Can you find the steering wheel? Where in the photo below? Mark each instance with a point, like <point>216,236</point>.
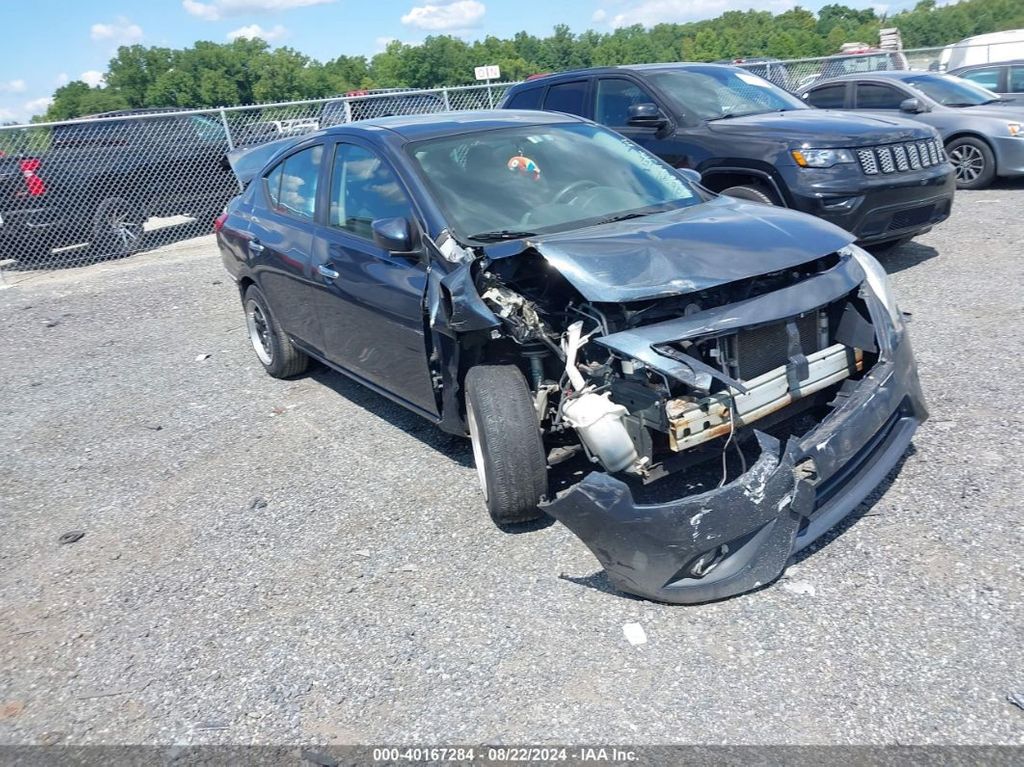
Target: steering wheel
<point>571,193</point>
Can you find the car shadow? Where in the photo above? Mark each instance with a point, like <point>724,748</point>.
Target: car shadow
<point>907,255</point>
<point>459,450</point>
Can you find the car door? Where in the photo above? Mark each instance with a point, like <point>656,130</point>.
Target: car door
<point>280,247</point>
<point>830,96</point>
<point>369,300</point>
<point>1015,81</point>
<point>613,96</point>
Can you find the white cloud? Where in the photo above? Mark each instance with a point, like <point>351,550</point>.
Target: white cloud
<point>219,9</point>
<point>93,79</point>
<point>122,31</point>
<point>8,115</point>
<point>444,17</point>
<point>252,31</point>
<point>37,106</point>
<point>599,15</point>
<point>63,78</point>
<point>651,12</point>
<point>12,86</point>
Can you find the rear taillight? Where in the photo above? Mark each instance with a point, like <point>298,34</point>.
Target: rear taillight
<point>218,223</point>
<point>34,184</point>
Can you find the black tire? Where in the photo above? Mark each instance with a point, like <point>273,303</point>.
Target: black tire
<point>117,227</point>
<point>507,445</point>
<point>973,161</point>
<point>751,193</point>
<point>273,348</point>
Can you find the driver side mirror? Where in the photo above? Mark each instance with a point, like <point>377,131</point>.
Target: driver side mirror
<point>395,235</point>
<point>913,106</point>
<point>646,115</point>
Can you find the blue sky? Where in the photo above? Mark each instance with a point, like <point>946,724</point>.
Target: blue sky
<point>48,42</point>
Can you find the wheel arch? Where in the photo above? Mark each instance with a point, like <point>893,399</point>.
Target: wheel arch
<point>716,178</point>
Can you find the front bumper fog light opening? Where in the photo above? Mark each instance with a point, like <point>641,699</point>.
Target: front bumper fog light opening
<point>708,561</point>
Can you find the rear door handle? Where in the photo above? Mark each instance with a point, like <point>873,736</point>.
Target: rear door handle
<point>255,246</point>
<point>326,271</point>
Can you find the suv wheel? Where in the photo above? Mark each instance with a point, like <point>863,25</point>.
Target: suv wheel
<point>973,161</point>
<point>117,227</point>
<point>507,446</point>
<point>274,349</point>
<point>752,193</point>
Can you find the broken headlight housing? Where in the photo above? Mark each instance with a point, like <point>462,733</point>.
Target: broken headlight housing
<point>878,283</point>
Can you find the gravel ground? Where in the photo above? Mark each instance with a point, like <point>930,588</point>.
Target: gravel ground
<point>303,561</point>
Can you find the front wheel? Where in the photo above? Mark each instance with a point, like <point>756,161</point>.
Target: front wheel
<point>973,161</point>
<point>507,445</point>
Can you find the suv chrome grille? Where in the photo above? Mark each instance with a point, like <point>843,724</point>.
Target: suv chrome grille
<point>900,158</point>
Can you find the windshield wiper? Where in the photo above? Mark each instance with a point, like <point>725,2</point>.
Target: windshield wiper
<point>501,234</point>
<point>623,217</point>
<point>959,104</point>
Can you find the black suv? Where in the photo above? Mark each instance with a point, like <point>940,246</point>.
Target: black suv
<point>104,175</point>
<point>750,139</point>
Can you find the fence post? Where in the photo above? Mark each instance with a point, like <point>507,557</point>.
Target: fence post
<point>348,111</point>
<point>447,101</point>
<point>490,95</point>
<point>227,128</point>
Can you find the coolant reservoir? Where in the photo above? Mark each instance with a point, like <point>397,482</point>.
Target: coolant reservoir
<point>600,424</point>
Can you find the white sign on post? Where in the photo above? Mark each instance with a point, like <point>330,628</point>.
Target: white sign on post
<point>492,72</point>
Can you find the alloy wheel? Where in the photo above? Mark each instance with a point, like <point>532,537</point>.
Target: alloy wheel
<point>968,162</point>
<point>259,332</point>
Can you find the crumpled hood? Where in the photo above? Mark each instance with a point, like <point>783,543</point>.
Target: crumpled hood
<point>684,251</point>
<point>823,128</point>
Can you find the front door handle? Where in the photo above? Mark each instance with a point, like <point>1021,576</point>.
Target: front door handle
<point>326,271</point>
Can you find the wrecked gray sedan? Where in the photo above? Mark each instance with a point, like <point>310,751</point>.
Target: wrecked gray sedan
<point>603,329</point>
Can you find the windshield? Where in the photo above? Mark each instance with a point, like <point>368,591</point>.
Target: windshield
<point>951,91</point>
<point>716,93</point>
<point>514,182</point>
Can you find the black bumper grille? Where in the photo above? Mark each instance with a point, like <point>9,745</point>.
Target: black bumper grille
<point>900,158</point>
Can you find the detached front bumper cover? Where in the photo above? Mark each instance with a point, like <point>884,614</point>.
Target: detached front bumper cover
<point>739,537</point>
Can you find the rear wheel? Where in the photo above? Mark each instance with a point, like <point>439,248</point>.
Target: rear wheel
<point>749,192</point>
<point>973,161</point>
<point>274,349</point>
<point>507,446</point>
<point>117,227</point>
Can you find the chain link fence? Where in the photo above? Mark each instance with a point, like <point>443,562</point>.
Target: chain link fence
<point>77,192</point>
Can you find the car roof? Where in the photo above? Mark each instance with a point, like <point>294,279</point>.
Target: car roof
<point>965,67</point>
<point>540,80</point>
<point>416,127</point>
<point>885,74</point>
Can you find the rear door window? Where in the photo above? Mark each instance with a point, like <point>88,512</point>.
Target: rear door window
<point>827,97</point>
<point>526,99</point>
<point>567,97</point>
<point>291,184</point>
<point>874,96</point>
<point>615,95</point>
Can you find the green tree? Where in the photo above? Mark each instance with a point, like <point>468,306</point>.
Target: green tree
<point>76,99</point>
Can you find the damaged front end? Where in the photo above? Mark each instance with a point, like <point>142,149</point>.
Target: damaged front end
<point>646,389</point>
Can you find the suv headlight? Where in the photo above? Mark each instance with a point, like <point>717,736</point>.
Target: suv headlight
<point>822,158</point>
<point>878,283</point>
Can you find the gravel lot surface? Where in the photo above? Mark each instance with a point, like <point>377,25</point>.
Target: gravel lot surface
<point>303,561</point>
